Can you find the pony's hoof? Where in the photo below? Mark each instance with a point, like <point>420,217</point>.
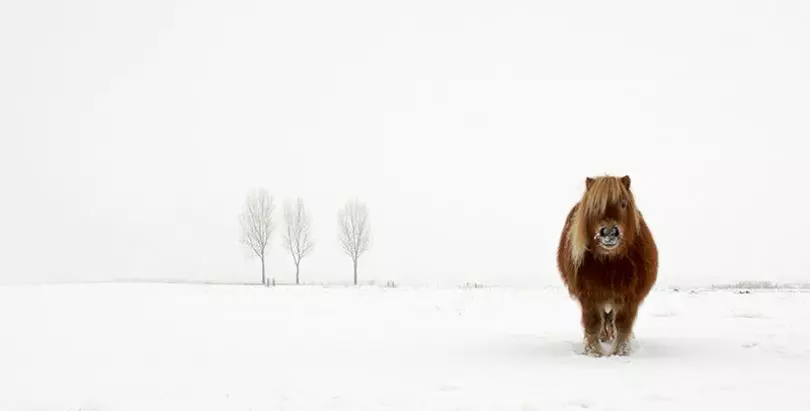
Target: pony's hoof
<point>594,350</point>
<point>622,349</point>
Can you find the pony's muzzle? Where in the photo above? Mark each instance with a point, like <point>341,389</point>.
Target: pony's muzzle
<point>609,236</point>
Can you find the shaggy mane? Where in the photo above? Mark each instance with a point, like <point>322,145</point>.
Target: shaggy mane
<point>603,191</point>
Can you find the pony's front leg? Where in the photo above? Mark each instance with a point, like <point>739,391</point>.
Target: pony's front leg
<point>592,324</point>
<point>624,320</point>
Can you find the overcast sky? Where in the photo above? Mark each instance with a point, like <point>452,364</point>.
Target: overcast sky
<point>131,132</point>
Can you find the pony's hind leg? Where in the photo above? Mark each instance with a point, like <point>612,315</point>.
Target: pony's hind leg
<point>608,331</point>
<point>624,319</point>
<point>592,320</point>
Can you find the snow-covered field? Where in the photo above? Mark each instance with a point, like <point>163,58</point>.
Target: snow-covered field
<point>149,347</point>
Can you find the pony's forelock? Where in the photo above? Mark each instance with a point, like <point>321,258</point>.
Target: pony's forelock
<point>602,191</point>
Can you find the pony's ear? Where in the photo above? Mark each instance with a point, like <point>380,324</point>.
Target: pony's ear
<point>626,182</point>
<point>588,183</point>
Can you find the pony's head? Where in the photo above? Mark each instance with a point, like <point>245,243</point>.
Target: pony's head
<point>606,221</point>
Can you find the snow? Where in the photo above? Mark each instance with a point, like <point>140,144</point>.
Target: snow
<point>155,347</point>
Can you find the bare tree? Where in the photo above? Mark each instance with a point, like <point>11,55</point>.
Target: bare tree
<point>355,232</point>
<point>298,238</point>
<point>257,224</point>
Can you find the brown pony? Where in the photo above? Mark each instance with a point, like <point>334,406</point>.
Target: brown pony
<point>608,261</point>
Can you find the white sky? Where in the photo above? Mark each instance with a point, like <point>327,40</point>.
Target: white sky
<point>131,132</point>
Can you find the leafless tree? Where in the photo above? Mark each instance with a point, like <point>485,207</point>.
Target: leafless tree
<point>257,224</point>
<point>355,232</point>
<point>298,238</point>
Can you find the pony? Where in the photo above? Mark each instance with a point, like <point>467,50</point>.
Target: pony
<point>608,261</point>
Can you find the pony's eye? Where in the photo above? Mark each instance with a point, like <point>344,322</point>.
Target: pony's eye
<point>623,203</point>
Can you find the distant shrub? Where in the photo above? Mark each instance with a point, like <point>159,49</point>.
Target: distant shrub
<point>751,285</point>
<point>761,285</point>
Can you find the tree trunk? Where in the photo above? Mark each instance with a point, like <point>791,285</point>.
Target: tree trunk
<point>264,279</point>
<point>355,271</point>
<point>296,272</point>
